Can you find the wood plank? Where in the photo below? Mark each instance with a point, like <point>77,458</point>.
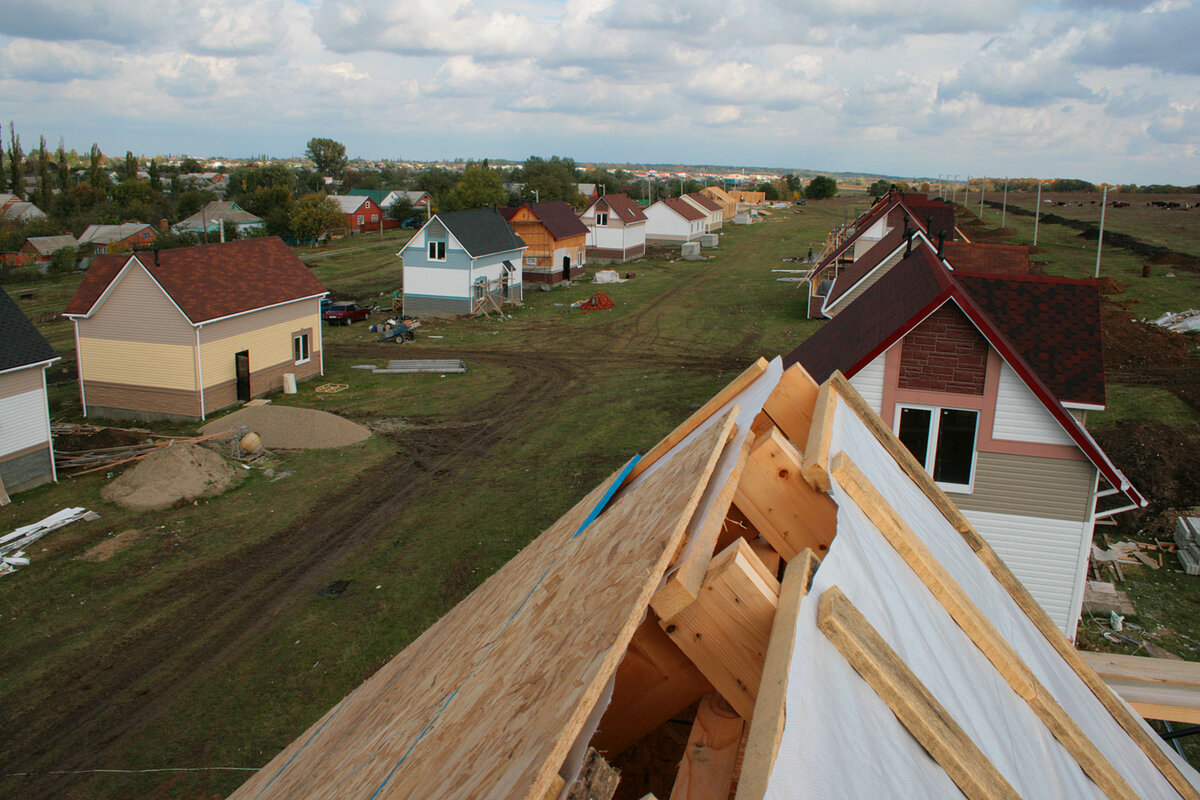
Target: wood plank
<point>785,509</point>
<point>683,585</point>
<point>982,633</point>
<point>1145,559</point>
<point>726,631</point>
<point>1157,688</point>
<point>655,682</point>
<point>792,403</point>
<point>532,649</point>
<point>766,726</point>
<point>707,769</point>
<point>815,467</point>
<point>597,779</point>
<point>693,422</point>
<point>912,703</point>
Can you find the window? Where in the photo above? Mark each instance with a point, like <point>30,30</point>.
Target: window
<point>301,351</point>
<point>531,261</point>
<point>943,440</point>
<point>360,219</point>
<point>374,218</point>
<point>437,251</point>
<point>601,219</point>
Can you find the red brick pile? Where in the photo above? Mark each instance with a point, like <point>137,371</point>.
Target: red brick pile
<point>598,302</point>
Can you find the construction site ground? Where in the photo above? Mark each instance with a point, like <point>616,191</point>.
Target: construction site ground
<point>212,634</point>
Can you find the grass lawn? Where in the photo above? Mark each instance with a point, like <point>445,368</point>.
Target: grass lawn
<point>553,400</point>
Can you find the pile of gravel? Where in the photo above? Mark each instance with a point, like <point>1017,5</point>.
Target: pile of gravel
<point>290,428</point>
<point>181,472</point>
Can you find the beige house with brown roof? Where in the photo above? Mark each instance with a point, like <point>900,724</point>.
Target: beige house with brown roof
<point>184,332</point>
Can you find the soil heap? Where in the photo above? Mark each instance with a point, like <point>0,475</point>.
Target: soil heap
<point>289,428</point>
<point>181,472</point>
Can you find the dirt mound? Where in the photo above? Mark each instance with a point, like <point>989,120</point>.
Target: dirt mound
<point>181,472</point>
<point>1162,461</point>
<point>1139,354</point>
<point>288,428</point>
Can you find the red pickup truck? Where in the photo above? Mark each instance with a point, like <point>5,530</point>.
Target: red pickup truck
<point>345,313</point>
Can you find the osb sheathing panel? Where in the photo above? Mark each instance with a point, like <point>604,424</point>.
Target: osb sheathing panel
<point>489,700</point>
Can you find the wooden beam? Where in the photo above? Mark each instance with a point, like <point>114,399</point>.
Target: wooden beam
<point>1132,726</point>
<point>726,631</point>
<point>820,434</point>
<point>912,703</point>
<point>978,628</point>
<point>1157,688</point>
<point>787,511</point>
<point>766,726</point>
<point>597,779</point>
<point>708,768</point>
<point>792,403</point>
<point>655,681</point>
<point>683,585</point>
<point>697,419</point>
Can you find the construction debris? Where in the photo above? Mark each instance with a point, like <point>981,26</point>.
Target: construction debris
<point>331,388</point>
<point>17,540</point>
<point>1181,321</point>
<point>1101,598</point>
<point>607,276</point>
<point>85,461</point>
<point>597,302</point>
<point>423,365</point>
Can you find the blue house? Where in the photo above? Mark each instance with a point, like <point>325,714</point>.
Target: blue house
<point>462,263</point>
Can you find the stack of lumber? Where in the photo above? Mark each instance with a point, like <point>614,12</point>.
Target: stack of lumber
<point>1147,554</point>
<point>12,544</point>
<point>400,367</point>
<point>85,461</point>
<point>1187,542</point>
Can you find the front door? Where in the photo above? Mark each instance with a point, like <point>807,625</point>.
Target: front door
<point>566,268</point>
<point>242,364</point>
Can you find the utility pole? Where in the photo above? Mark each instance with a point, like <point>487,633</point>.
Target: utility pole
<point>982,186</point>
<point>1004,207</point>
<point>1037,212</point>
<point>1100,239</point>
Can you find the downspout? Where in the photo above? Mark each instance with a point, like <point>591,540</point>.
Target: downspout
<point>46,405</point>
<point>1081,565</point>
<point>79,369</point>
<point>200,374</point>
<point>321,337</point>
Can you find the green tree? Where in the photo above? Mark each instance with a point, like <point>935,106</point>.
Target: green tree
<point>131,165</point>
<point>880,187</point>
<point>438,182</point>
<point>16,162</point>
<point>189,165</point>
<point>97,177</point>
<point>43,176</point>
<point>328,155</point>
<point>62,261</point>
<point>820,188</point>
<point>545,180</point>
<point>479,187</point>
<point>64,168</point>
<point>155,178</point>
<point>315,215</point>
<point>3,171</point>
<point>402,209</point>
<point>794,184</point>
<point>770,191</point>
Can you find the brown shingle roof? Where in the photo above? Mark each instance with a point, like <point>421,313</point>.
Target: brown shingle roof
<point>986,257</point>
<point>624,207</point>
<point>208,282</point>
<point>559,219</point>
<point>683,208</point>
<point>705,201</point>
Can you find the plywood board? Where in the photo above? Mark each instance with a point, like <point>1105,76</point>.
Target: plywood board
<point>489,700</point>
<point>1157,688</point>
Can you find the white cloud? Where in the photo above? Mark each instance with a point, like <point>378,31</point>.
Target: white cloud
<point>51,62</point>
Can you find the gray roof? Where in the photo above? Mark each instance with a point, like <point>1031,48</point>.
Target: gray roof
<point>225,210</point>
<point>20,342</point>
<point>481,231</point>
<point>349,203</point>
<point>46,245</point>
<point>107,234</point>
<point>21,210</point>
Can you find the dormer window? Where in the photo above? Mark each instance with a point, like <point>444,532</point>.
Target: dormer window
<point>601,219</point>
<point>437,251</point>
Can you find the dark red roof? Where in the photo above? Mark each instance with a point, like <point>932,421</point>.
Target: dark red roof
<point>559,219</point>
<point>704,200</point>
<point>208,282</point>
<point>624,206</point>
<point>986,257</point>
<point>930,216</point>
<point>683,208</point>
<point>1054,323</point>
<point>867,262</point>
<point>1047,329</point>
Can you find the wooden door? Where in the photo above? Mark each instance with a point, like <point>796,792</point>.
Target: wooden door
<point>241,362</point>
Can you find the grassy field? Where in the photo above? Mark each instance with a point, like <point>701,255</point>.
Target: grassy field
<point>143,661</point>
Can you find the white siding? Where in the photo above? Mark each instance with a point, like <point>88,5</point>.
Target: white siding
<point>23,421</point>
<point>1043,554</point>
<point>869,383</point>
<point>436,282</point>
<point>1020,416</point>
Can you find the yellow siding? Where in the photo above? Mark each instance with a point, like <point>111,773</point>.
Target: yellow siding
<point>268,346</point>
<point>167,366</point>
<point>137,310</point>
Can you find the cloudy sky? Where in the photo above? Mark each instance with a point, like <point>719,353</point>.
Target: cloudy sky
<point>1106,91</point>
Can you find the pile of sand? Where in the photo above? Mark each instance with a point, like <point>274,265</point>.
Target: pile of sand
<point>181,472</point>
<point>289,428</point>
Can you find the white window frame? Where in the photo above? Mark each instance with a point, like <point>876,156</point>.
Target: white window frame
<point>436,250</point>
<point>531,261</point>
<point>361,219</point>
<point>374,218</point>
<point>935,422</point>
<point>303,342</point>
<point>601,219</point>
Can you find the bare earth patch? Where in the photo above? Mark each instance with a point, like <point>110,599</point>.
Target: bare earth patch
<point>112,545</point>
